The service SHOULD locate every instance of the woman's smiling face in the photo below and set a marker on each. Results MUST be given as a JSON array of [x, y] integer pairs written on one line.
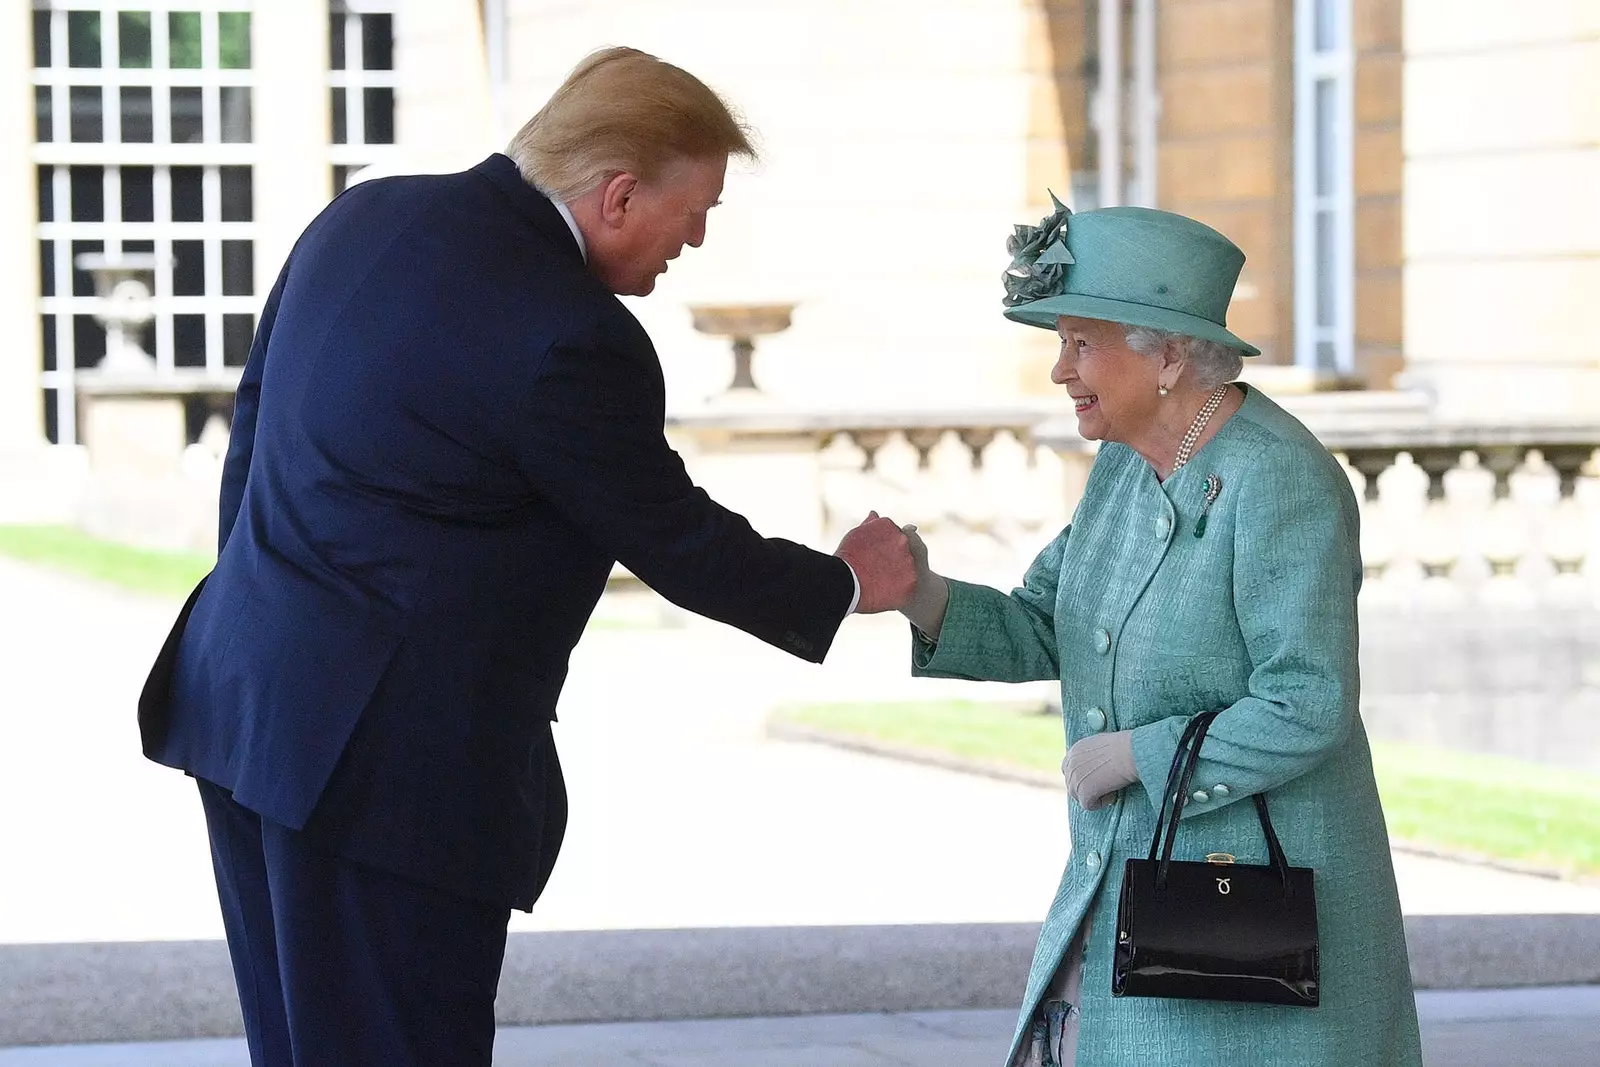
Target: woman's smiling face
[[1113, 388]]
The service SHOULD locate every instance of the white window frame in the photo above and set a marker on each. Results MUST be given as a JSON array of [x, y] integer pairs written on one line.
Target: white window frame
[[356, 152], [161, 155], [1334, 68]]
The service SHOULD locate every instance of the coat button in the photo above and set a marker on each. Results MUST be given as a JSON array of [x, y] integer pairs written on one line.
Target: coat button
[[1163, 526], [1220, 790], [1096, 719], [1102, 642], [1200, 795], [1092, 861]]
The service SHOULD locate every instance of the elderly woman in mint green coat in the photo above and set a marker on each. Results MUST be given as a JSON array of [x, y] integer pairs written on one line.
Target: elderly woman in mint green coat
[[1211, 564]]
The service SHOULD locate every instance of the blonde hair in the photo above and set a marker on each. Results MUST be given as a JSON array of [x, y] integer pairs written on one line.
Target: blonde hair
[[623, 110]]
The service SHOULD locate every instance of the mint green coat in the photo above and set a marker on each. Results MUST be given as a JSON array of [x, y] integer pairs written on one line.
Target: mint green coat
[[1145, 625]]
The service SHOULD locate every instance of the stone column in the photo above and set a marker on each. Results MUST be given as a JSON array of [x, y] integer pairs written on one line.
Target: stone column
[[1502, 225], [444, 117], [293, 175], [21, 411]]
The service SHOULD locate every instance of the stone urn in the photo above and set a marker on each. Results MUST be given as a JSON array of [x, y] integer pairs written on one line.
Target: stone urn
[[741, 324], [123, 284]]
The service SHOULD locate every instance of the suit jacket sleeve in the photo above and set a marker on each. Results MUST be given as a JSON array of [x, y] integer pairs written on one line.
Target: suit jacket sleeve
[[1296, 574], [591, 442], [242, 433]]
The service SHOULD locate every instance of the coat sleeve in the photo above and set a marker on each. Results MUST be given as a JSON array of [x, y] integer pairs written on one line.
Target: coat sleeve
[[988, 636], [242, 431], [1296, 575], [591, 442]]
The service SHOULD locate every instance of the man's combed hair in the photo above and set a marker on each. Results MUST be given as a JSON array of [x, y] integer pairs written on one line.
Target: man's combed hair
[[623, 110], [1211, 361]]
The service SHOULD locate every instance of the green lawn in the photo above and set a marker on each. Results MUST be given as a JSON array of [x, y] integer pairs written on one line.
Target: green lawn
[[141, 570], [1486, 806]]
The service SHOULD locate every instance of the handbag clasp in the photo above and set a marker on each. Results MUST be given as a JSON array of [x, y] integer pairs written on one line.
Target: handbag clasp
[[1220, 858]]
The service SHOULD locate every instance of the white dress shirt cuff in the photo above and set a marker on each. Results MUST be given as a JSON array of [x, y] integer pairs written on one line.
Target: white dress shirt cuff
[[855, 598]]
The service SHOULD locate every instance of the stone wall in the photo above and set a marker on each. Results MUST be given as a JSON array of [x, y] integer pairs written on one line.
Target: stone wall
[[1502, 221]]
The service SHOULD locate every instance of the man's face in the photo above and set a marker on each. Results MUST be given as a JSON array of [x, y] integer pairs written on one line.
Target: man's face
[[658, 218]]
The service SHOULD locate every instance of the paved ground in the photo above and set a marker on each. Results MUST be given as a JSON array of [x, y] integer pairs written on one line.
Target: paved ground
[[1557, 1027], [672, 785]]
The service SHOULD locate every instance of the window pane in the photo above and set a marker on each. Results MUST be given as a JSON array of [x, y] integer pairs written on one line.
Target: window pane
[[147, 247], [43, 114], [238, 268], [47, 268], [335, 42], [377, 42], [339, 133], [88, 194], [1325, 268], [41, 38], [45, 178], [187, 203], [237, 333], [52, 416], [1327, 357], [188, 268], [183, 40], [378, 116], [1325, 134], [88, 120], [83, 38], [138, 117], [138, 194], [133, 35], [188, 118], [235, 103], [189, 340], [238, 198], [88, 342], [82, 280], [47, 334], [233, 38], [1327, 18]]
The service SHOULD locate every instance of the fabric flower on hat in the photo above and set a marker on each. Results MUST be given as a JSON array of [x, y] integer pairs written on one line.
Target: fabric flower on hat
[[1039, 258]]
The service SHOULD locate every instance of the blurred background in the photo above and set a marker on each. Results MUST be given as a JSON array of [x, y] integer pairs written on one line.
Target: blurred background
[[1416, 184]]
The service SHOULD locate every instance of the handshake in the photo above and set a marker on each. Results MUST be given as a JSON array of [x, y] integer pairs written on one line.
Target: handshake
[[891, 563]]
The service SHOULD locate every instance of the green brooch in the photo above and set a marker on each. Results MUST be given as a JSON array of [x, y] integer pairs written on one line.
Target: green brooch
[[1213, 490]]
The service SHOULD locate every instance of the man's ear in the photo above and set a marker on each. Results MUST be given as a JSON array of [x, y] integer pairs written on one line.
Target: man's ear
[[615, 196]]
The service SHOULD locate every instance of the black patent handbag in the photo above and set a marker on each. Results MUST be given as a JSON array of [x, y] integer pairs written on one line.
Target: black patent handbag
[[1214, 929]]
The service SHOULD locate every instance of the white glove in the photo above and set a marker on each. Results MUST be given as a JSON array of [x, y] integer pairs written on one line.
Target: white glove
[[928, 602], [1098, 766]]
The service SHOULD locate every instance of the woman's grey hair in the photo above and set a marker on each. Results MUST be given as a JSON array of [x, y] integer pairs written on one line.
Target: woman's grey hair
[[1211, 361]]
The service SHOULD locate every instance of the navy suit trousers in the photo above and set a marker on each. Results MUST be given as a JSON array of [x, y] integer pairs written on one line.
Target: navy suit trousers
[[342, 965]]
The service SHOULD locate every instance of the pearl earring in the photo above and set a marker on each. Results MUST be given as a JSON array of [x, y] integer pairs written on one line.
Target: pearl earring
[[1163, 390]]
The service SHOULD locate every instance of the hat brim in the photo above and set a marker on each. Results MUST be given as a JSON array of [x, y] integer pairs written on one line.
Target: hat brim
[[1043, 314]]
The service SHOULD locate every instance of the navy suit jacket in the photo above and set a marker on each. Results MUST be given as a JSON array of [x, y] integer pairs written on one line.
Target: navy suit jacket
[[446, 434]]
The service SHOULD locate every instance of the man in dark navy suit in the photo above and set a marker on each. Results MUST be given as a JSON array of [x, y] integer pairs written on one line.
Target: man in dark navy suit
[[448, 431]]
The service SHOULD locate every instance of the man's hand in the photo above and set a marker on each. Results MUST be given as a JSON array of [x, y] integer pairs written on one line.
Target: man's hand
[[879, 553]]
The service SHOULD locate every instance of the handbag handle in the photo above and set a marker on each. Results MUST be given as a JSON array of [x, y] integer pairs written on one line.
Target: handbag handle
[[1184, 762]]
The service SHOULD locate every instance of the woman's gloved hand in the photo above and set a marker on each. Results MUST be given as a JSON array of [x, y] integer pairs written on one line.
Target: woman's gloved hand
[[932, 596], [1098, 767]]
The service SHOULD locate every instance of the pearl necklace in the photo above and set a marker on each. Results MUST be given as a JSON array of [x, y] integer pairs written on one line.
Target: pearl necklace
[[1198, 426]]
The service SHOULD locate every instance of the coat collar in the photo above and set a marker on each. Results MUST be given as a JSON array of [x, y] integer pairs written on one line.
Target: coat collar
[[529, 202]]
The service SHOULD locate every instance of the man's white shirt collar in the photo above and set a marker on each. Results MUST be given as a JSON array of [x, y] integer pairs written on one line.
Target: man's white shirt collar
[[572, 224]]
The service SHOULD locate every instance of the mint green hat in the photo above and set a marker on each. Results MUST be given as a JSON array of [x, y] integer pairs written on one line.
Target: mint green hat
[[1132, 265]]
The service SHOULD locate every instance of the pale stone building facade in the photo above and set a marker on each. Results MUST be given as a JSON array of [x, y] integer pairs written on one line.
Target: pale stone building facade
[[1413, 182]]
